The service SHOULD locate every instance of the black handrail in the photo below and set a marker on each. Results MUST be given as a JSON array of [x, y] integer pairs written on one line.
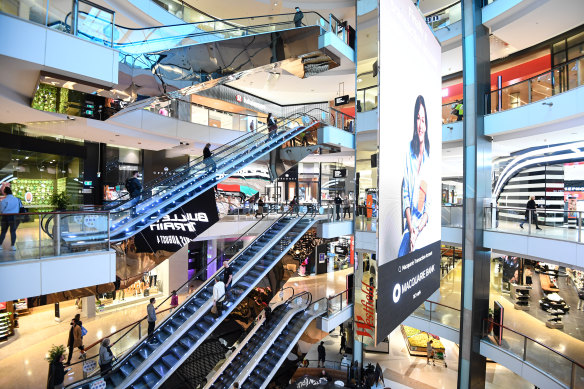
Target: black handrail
[[199, 273], [200, 160]]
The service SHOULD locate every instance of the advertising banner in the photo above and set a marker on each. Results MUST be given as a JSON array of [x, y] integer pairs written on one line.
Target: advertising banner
[[410, 137], [179, 227]]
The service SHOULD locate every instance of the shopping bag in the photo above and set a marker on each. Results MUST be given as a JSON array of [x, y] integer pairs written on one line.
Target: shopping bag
[[83, 331]]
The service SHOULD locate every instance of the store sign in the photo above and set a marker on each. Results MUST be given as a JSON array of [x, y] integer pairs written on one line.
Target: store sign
[[410, 188], [339, 173], [238, 98], [342, 100], [341, 250], [2, 306], [365, 323], [179, 227]]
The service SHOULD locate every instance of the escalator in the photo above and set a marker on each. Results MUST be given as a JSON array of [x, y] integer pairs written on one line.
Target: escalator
[[258, 373], [259, 342], [161, 196], [179, 60], [149, 365]]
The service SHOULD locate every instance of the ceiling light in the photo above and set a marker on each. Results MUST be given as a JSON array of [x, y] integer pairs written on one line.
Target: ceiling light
[[359, 80]]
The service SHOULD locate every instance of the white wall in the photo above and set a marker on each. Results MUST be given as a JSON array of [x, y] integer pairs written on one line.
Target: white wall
[[58, 52], [28, 278]]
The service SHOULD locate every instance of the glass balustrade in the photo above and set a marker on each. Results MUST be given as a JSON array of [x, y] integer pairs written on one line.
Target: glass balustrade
[[452, 216], [445, 17], [557, 80], [367, 98], [53, 234], [448, 112]]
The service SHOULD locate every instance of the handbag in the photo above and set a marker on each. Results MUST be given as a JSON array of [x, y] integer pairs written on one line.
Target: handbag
[[214, 309], [83, 331], [26, 217]]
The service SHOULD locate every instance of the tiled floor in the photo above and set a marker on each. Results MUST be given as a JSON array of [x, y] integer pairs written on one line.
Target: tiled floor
[[403, 371]]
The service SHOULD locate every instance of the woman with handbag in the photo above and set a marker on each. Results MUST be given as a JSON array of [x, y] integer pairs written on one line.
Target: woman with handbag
[[9, 207], [76, 338]]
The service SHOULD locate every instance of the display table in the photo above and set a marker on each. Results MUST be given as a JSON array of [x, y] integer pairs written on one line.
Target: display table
[[547, 285], [553, 301], [556, 320]]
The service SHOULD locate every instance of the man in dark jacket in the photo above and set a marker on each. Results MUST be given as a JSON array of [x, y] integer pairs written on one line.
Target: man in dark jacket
[[208, 157], [133, 185], [298, 17], [321, 354], [56, 372], [338, 203], [530, 208]]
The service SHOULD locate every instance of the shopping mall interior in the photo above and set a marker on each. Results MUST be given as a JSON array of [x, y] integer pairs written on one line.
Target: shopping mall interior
[[202, 195]]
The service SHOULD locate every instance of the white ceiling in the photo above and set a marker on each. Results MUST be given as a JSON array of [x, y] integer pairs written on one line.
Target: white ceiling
[[289, 89]]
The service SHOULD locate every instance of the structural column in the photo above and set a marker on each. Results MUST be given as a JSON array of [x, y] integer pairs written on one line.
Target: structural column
[[477, 194]]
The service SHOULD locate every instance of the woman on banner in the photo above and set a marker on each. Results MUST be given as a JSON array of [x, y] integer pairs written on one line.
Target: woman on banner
[[415, 202]]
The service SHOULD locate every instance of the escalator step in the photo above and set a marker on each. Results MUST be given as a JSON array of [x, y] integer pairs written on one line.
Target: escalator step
[[126, 369], [136, 361], [160, 368], [194, 333], [178, 350], [150, 379], [187, 342], [117, 378], [170, 360]]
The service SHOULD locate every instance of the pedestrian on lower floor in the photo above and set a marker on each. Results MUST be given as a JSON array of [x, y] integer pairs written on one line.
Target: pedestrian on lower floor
[[430, 352], [106, 356], [9, 207], [321, 354], [218, 296], [343, 342], [75, 338], [581, 299], [151, 318], [56, 371], [173, 301]]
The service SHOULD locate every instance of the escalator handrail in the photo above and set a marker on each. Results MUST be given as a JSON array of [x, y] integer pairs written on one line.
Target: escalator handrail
[[203, 285], [200, 160]]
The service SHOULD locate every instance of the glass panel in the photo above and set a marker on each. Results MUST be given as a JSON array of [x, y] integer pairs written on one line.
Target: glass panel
[[576, 39], [27, 242], [370, 99], [515, 96], [60, 15], [556, 365], [559, 46], [445, 17], [573, 72], [576, 51], [33, 10], [541, 87], [95, 24]]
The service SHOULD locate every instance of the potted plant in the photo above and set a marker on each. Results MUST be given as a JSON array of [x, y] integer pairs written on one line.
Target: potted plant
[[60, 201], [55, 353]]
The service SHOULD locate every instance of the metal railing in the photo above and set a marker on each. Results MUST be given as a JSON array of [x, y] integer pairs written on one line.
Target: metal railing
[[133, 335], [559, 79], [558, 366], [338, 302], [549, 223], [196, 113], [36, 239], [439, 313], [444, 17], [447, 115]]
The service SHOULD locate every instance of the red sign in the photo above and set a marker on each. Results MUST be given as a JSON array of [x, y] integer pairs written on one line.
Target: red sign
[[238, 98], [3, 305]]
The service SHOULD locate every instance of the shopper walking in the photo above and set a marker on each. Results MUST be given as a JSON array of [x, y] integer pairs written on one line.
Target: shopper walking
[[430, 352], [530, 209], [227, 276], [208, 157], [581, 299], [338, 203], [298, 16], [151, 318], [260, 211], [343, 342], [272, 125], [218, 296], [133, 185], [346, 207], [173, 301], [56, 372], [294, 205], [106, 357], [10, 205], [75, 338], [321, 354]]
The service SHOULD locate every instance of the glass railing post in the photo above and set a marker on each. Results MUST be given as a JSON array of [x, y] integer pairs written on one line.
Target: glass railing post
[[529, 91], [40, 230], [580, 226], [524, 348], [57, 235], [573, 376], [139, 330], [74, 16], [529, 215], [108, 231]]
